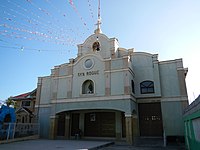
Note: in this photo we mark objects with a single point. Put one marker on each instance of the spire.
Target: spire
(98, 30)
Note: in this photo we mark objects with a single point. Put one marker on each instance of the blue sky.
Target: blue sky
(36, 35)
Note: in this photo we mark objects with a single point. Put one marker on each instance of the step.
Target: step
(149, 141)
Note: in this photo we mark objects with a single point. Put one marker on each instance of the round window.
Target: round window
(88, 63)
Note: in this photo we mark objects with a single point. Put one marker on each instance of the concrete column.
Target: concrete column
(129, 129)
(67, 126)
(69, 81)
(127, 87)
(38, 93)
(53, 127)
(126, 76)
(107, 88)
(182, 84)
(125, 62)
(107, 78)
(81, 122)
(132, 128)
(156, 74)
(181, 77)
(38, 96)
(118, 122)
(54, 89)
(135, 123)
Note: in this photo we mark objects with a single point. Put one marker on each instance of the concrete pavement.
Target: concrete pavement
(41, 144)
(117, 147)
(152, 147)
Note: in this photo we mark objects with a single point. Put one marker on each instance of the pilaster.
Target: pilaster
(53, 127)
(135, 128)
(127, 87)
(182, 84)
(129, 129)
(108, 78)
(132, 128)
(38, 96)
(70, 81)
(67, 126)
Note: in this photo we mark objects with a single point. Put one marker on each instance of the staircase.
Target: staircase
(149, 141)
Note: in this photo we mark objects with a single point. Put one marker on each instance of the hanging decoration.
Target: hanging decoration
(91, 10)
(22, 48)
(77, 12)
(31, 21)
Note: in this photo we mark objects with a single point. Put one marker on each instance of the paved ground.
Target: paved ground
(53, 145)
(125, 147)
(41, 144)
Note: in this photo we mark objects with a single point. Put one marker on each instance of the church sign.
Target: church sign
(88, 73)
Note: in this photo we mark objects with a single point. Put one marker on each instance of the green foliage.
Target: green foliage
(10, 102)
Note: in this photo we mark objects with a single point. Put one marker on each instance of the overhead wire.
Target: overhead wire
(35, 27)
(77, 12)
(32, 49)
(49, 15)
(41, 25)
(25, 48)
(65, 15)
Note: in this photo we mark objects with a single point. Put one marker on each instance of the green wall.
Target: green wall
(191, 141)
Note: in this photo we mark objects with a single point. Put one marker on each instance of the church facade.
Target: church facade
(112, 92)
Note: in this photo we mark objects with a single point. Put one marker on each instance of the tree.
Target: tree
(10, 102)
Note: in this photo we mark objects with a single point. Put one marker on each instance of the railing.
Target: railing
(18, 130)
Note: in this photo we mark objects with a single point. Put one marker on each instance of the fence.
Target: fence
(18, 130)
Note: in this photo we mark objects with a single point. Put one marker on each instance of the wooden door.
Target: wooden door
(100, 124)
(150, 119)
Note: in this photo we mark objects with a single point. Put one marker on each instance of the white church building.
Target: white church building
(111, 92)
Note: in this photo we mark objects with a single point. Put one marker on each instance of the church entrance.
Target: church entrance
(100, 124)
(91, 123)
(150, 118)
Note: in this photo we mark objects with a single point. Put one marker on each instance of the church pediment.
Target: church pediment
(100, 44)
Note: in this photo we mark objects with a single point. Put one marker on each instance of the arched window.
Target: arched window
(88, 87)
(133, 86)
(96, 46)
(146, 87)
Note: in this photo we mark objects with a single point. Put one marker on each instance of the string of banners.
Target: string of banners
(21, 22)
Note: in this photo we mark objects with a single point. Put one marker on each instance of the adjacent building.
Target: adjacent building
(192, 125)
(112, 92)
(25, 107)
